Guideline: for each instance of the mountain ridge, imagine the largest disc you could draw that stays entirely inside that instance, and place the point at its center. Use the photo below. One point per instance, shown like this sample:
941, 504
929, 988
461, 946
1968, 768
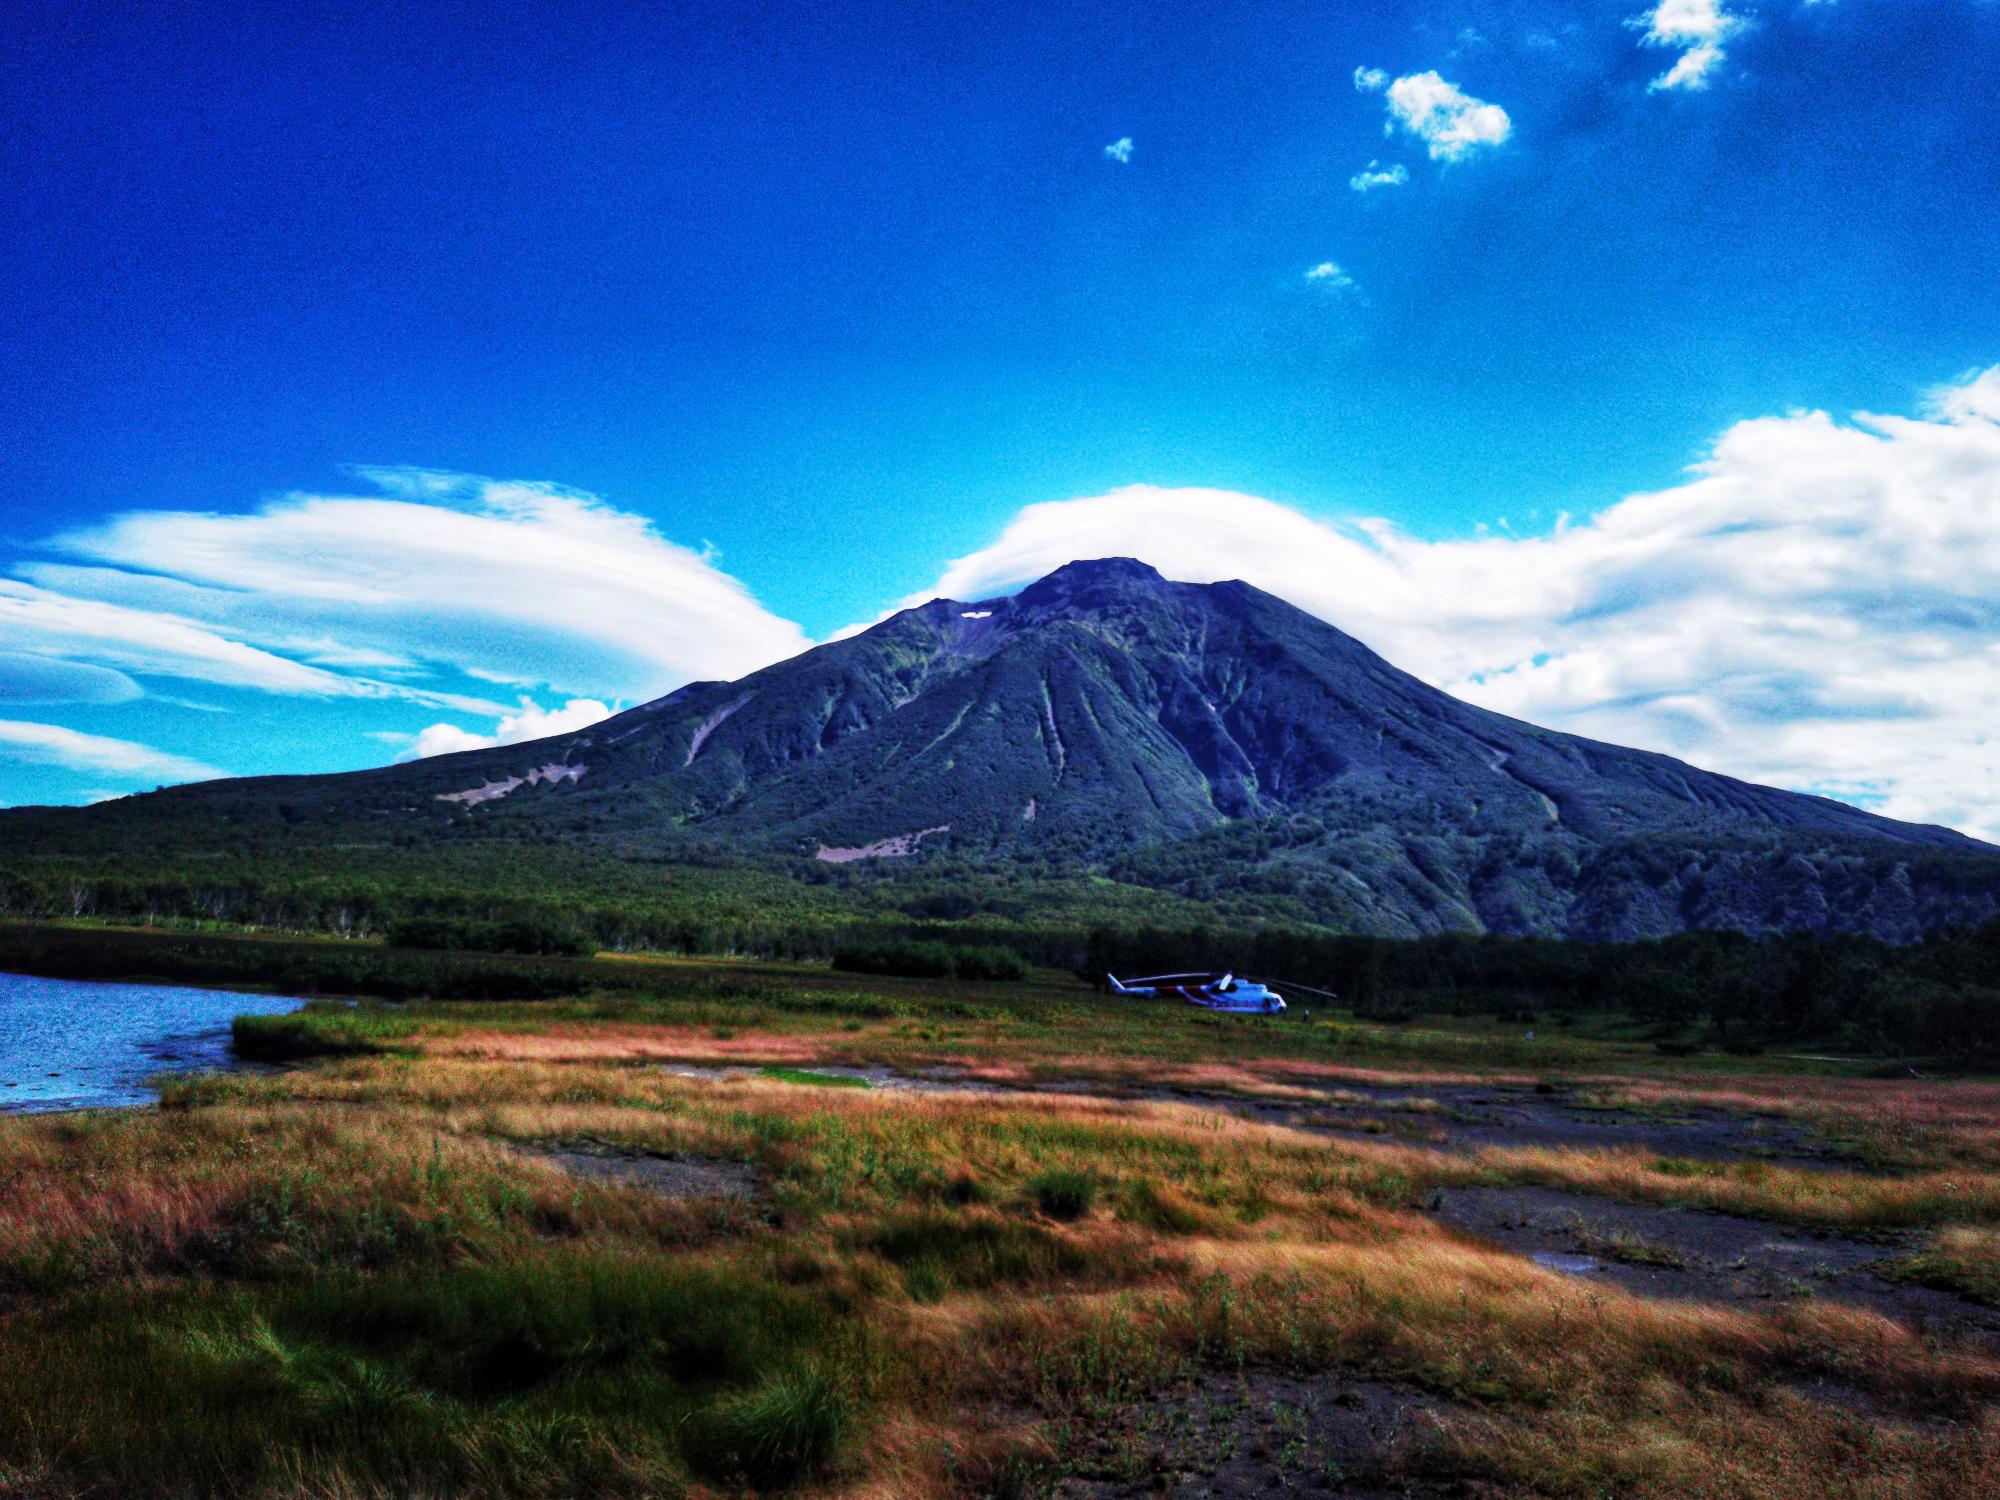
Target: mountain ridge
1104, 716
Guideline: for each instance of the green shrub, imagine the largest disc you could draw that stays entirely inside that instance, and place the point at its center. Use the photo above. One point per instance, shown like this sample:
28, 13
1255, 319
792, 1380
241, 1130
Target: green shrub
1064, 1192
321, 1029
991, 963
912, 960
787, 1429
924, 959
530, 934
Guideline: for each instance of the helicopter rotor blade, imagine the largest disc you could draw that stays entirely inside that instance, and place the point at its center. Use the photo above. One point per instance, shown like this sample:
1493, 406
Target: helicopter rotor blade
1285, 984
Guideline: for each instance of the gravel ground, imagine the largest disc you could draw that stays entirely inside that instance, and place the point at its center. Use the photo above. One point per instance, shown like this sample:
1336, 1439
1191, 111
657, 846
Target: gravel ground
1268, 1434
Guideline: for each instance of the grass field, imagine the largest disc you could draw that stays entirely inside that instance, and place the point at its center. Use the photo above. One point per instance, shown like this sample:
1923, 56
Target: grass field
758, 1227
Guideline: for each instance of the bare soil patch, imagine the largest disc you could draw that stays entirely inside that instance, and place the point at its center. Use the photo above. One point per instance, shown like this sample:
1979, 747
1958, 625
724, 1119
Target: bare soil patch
669, 1176
1266, 1434
1450, 1117
1693, 1255
1460, 1117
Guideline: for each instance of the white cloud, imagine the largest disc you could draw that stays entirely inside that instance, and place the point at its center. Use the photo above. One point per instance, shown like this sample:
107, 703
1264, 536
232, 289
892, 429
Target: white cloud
1375, 175
149, 642
1329, 277
504, 581
1817, 606
1370, 80
1449, 121
53, 745
531, 722
1697, 28
1975, 395
26, 677
1120, 150
1690, 71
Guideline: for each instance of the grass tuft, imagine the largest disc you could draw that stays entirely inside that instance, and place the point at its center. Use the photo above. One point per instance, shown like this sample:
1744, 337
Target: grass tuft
789, 1428
1064, 1192
1166, 1209
807, 1076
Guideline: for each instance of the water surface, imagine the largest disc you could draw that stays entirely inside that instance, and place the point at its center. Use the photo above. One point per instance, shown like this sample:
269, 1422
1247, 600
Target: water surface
73, 1044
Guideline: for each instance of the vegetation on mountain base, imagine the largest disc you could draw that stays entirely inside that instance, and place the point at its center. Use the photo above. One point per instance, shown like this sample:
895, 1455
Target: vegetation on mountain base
1936, 1002
931, 960
1104, 748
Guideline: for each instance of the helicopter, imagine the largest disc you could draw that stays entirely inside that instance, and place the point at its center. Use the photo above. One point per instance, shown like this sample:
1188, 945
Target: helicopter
1210, 992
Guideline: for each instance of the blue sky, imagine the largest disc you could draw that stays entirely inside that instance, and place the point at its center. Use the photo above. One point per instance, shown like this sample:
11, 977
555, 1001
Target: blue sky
767, 318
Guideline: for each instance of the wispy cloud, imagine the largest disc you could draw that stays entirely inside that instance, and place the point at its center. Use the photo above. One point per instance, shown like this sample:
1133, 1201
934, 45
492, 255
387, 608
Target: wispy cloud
1375, 175
1697, 29
1817, 606
530, 722
1450, 122
1974, 396
355, 595
64, 631
1120, 150
1329, 277
53, 745
29, 678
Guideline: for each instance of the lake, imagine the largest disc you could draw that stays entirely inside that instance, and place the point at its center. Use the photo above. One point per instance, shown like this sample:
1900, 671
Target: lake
72, 1044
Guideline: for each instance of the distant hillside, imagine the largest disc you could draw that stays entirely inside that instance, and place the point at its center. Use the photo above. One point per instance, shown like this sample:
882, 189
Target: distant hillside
1206, 740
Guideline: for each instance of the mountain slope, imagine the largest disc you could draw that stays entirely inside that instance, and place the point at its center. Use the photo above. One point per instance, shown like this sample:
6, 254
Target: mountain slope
1105, 714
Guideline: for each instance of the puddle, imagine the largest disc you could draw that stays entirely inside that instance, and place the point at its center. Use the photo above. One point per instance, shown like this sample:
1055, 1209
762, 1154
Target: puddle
1571, 1265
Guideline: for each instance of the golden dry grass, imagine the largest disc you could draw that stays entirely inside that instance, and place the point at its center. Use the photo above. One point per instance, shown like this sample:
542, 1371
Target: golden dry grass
975, 1334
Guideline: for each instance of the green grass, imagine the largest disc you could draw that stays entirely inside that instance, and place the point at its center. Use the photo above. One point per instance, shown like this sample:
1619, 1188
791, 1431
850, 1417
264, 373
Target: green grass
321, 1029
347, 1279
1159, 1208
941, 1251
568, 1373
1963, 1260
1634, 1250
791, 1427
808, 1076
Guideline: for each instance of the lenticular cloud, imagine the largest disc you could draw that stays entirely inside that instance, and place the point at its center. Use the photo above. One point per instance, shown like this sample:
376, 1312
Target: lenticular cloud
509, 583
1817, 606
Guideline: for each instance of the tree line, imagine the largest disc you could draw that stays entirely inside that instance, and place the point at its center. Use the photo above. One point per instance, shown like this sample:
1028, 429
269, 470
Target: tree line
1938, 997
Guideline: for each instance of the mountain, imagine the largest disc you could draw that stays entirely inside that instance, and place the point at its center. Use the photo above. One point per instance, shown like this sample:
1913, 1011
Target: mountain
1210, 740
